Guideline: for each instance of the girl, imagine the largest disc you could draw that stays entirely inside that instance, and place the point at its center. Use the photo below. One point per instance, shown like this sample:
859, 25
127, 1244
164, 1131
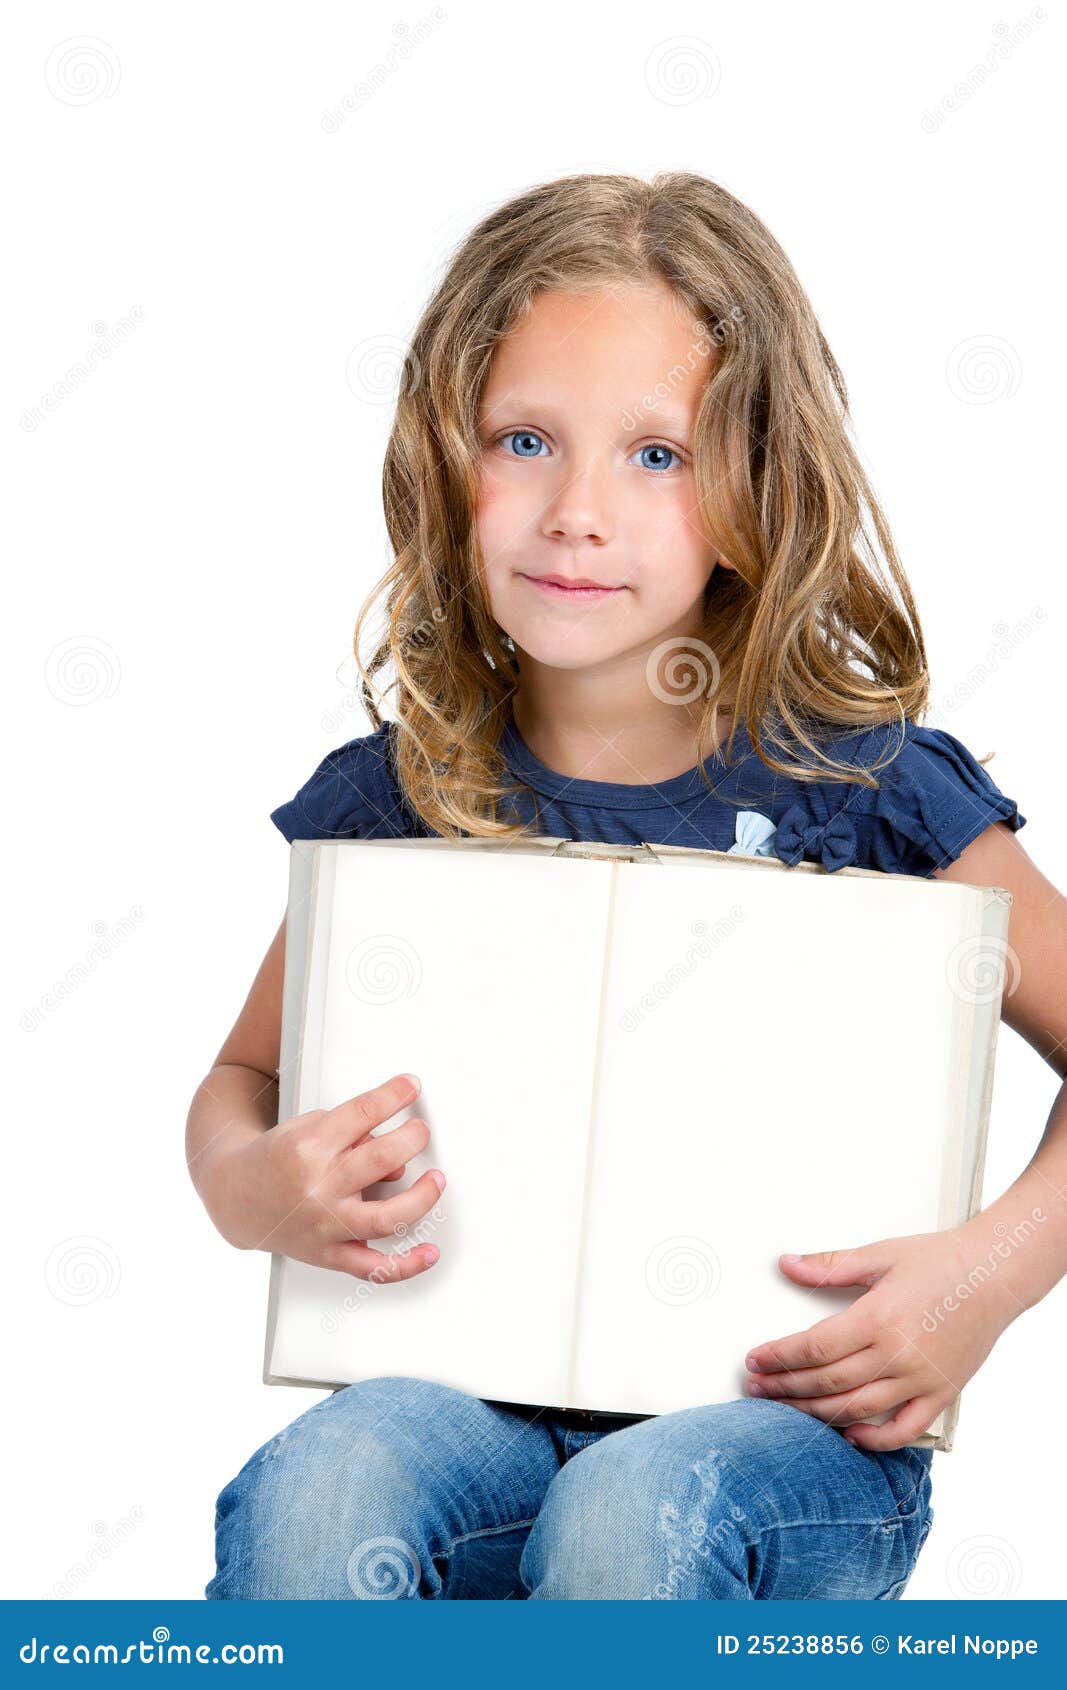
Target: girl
624, 508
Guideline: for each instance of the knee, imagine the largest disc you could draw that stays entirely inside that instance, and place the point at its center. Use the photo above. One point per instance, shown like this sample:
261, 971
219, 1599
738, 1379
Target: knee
326, 1509
668, 1505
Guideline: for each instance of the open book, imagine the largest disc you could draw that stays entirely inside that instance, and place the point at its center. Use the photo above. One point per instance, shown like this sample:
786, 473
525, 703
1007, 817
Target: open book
647, 1072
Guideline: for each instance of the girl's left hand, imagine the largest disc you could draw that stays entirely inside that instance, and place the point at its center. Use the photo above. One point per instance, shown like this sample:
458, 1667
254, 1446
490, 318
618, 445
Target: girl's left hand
933, 1312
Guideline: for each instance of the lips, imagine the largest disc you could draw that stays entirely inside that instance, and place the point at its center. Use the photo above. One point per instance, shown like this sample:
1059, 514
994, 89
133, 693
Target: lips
571, 587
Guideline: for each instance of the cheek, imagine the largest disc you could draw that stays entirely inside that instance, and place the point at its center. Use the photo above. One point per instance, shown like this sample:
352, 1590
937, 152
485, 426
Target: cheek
502, 517
677, 552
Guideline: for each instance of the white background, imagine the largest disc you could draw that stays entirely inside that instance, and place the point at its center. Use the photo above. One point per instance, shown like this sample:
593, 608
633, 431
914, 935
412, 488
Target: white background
196, 523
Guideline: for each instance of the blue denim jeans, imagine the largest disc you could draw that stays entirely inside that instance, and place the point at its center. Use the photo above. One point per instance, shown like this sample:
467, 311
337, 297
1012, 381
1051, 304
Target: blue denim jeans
399, 1487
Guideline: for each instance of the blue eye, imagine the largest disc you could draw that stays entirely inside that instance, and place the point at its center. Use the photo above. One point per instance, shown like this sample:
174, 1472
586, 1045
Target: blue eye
525, 435
669, 450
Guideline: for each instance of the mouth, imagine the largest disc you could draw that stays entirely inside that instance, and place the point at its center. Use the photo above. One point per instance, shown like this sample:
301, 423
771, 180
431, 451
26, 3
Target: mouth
579, 589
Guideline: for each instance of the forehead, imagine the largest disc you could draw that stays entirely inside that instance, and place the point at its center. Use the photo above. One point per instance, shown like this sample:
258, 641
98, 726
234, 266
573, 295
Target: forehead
613, 348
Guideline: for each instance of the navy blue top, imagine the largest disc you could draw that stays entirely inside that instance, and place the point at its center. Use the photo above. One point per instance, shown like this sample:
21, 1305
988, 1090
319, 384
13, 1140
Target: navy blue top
934, 799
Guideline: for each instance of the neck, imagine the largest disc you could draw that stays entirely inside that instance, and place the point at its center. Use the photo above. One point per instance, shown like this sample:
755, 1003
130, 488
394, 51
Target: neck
588, 729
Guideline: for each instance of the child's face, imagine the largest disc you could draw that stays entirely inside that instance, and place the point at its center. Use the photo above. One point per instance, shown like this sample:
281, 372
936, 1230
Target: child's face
586, 432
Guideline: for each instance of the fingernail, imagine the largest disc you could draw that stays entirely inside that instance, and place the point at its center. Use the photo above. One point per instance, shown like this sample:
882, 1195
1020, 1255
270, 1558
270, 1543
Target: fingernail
414, 1078
439, 1179
432, 1253
792, 1260
754, 1388
752, 1365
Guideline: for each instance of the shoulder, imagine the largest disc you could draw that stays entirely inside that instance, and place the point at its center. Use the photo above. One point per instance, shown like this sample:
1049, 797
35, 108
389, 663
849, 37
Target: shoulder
932, 800
353, 793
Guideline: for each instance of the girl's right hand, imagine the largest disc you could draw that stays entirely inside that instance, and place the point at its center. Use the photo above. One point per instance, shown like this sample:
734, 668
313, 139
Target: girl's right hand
297, 1189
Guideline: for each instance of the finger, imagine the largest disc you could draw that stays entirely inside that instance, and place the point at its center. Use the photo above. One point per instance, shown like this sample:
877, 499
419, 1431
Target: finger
911, 1420
849, 1406
383, 1215
856, 1369
829, 1340
836, 1267
362, 1262
366, 1163
350, 1122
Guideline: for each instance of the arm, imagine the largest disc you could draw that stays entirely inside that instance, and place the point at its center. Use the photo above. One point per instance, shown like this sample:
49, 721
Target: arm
936, 1304
238, 1099
1035, 1005
297, 1189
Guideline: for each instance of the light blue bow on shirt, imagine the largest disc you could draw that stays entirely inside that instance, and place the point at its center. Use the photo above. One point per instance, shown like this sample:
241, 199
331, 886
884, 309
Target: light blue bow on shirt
754, 835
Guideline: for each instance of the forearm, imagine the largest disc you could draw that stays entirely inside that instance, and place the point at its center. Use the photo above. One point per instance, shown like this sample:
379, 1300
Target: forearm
1021, 1237
232, 1107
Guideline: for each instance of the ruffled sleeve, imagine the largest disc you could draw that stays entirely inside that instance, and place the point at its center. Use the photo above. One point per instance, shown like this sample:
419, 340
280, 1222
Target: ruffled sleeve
351, 795
934, 799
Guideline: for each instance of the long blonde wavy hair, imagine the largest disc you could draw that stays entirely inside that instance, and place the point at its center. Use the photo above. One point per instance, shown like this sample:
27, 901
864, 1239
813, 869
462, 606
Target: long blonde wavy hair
807, 633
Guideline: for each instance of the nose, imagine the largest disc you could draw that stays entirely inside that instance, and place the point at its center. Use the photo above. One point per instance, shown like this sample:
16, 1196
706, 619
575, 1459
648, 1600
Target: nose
580, 506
